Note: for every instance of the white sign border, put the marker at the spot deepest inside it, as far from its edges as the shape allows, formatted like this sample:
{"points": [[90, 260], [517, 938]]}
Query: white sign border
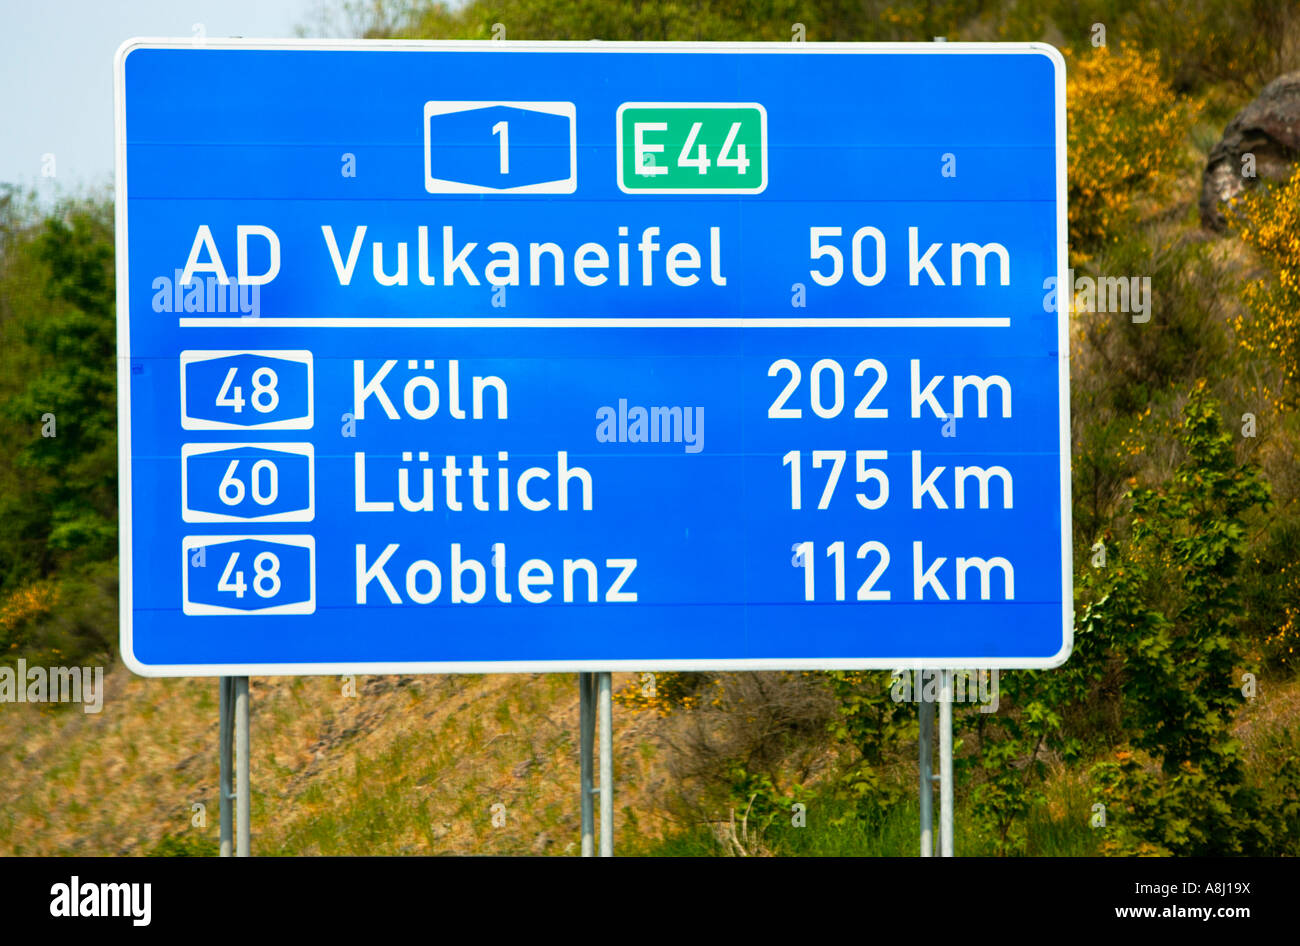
{"points": [[508, 47]]}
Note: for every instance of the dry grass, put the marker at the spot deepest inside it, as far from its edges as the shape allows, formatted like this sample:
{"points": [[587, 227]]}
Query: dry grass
{"points": [[412, 765]]}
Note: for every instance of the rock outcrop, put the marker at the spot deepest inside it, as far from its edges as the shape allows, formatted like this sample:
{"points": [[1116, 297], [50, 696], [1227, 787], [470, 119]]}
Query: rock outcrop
{"points": [[1269, 129]]}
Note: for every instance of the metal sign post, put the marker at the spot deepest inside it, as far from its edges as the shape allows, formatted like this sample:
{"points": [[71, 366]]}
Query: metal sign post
{"points": [[925, 733], [586, 749], [945, 764], [604, 683], [595, 697], [225, 796], [233, 737], [242, 795]]}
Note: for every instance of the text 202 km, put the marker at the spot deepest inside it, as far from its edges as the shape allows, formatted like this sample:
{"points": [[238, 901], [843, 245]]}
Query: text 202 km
{"points": [[826, 391]]}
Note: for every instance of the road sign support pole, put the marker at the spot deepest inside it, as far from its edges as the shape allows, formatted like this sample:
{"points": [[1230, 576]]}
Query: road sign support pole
{"points": [[224, 746], [925, 752], [241, 765], [605, 684], [945, 764], [587, 740]]}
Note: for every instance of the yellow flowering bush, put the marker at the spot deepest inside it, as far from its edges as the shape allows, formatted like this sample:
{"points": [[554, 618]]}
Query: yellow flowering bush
{"points": [[1126, 134], [20, 608], [661, 692], [1268, 221], [26, 603], [1281, 644]]}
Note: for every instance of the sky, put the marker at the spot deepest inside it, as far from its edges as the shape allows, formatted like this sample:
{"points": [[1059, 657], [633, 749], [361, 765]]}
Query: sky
{"points": [[56, 75]]}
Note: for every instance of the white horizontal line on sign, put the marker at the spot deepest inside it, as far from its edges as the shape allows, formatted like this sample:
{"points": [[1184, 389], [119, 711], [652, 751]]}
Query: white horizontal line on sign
{"points": [[386, 322]]}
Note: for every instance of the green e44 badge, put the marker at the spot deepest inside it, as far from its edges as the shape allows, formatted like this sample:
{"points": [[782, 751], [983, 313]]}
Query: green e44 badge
{"points": [[692, 147]]}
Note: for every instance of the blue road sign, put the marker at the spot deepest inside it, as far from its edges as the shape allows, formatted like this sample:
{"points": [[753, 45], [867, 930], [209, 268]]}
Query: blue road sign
{"points": [[591, 356]]}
